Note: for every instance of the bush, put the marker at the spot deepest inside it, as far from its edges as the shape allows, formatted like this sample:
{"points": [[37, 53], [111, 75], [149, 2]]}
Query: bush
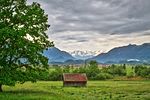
{"points": [[55, 75], [103, 76], [116, 70], [130, 74], [143, 71]]}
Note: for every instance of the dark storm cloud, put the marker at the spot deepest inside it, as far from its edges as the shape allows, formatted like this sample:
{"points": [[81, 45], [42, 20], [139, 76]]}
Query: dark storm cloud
{"points": [[103, 16], [94, 18], [74, 37]]}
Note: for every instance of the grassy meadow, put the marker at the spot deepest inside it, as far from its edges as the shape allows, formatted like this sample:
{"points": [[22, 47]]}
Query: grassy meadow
{"points": [[95, 90]]}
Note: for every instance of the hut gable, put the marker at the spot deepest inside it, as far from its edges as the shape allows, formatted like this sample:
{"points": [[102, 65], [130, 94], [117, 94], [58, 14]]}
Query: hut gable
{"points": [[74, 79]]}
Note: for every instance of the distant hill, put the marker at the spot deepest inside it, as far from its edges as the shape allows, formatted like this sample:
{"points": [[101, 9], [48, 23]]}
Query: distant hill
{"points": [[57, 56], [126, 54], [74, 62]]}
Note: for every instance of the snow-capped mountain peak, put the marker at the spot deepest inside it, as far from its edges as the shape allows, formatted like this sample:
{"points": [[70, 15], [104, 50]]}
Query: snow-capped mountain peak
{"points": [[84, 54]]}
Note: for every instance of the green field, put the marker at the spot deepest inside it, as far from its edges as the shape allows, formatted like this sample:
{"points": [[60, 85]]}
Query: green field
{"points": [[95, 90]]}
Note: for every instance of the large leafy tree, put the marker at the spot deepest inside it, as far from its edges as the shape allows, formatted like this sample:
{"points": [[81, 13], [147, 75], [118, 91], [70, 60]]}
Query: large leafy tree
{"points": [[22, 41]]}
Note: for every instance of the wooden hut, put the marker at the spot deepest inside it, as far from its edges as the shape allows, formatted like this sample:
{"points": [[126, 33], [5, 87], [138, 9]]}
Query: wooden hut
{"points": [[74, 79]]}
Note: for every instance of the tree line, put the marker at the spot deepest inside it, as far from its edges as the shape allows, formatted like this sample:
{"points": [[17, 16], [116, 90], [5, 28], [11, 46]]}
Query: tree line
{"points": [[95, 72]]}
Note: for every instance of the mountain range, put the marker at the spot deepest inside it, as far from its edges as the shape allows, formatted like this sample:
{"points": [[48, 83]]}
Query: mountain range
{"points": [[84, 54], [129, 53], [55, 55], [126, 54]]}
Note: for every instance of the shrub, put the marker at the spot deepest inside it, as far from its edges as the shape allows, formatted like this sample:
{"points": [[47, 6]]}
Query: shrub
{"points": [[116, 70], [55, 75], [142, 71], [130, 74], [103, 76]]}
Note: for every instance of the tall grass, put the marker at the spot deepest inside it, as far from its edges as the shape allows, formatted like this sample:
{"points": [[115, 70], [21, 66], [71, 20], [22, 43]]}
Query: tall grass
{"points": [[95, 90]]}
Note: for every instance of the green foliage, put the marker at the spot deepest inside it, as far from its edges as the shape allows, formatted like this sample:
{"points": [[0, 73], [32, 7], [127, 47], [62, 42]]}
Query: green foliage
{"points": [[103, 76], [55, 75], [95, 72], [130, 74], [143, 71], [66, 69], [92, 69], [116, 70], [22, 41], [130, 71], [81, 70], [93, 64]]}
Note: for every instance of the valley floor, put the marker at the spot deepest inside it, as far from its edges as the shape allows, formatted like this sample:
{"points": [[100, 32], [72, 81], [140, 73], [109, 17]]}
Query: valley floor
{"points": [[95, 90]]}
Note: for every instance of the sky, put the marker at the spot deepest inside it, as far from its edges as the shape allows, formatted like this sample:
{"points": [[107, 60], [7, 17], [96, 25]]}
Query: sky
{"points": [[97, 25]]}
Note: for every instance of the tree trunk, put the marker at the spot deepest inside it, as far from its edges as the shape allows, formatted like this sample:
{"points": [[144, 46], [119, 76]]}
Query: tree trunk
{"points": [[1, 88]]}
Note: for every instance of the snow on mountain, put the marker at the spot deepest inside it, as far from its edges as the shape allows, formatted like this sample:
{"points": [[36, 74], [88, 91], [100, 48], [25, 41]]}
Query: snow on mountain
{"points": [[133, 60], [84, 54]]}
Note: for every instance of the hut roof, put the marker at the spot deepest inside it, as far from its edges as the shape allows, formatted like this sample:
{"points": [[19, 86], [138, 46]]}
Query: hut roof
{"points": [[74, 77]]}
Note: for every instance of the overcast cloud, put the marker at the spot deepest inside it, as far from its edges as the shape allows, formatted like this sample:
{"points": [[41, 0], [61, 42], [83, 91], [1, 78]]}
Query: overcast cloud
{"points": [[97, 24]]}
